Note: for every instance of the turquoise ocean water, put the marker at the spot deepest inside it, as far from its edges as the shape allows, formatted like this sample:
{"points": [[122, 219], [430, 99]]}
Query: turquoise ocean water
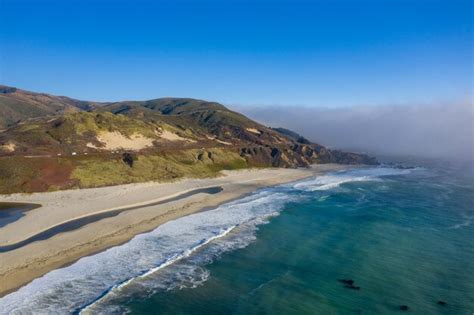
{"points": [[404, 236]]}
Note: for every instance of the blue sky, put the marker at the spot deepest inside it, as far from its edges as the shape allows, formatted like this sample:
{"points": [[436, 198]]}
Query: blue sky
{"points": [[314, 53]]}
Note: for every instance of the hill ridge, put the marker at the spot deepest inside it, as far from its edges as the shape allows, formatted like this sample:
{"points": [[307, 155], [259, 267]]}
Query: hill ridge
{"points": [[172, 137]]}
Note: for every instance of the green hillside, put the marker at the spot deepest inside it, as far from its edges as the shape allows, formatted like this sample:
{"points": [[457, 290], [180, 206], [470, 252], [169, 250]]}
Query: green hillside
{"points": [[59, 143]]}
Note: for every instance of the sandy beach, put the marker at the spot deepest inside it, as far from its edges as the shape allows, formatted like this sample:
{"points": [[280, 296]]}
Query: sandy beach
{"points": [[153, 204]]}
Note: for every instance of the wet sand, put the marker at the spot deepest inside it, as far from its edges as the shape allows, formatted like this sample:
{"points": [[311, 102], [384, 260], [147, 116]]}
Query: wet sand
{"points": [[136, 208], [77, 223]]}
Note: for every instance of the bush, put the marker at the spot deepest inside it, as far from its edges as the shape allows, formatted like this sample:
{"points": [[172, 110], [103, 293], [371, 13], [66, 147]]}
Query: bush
{"points": [[128, 158]]}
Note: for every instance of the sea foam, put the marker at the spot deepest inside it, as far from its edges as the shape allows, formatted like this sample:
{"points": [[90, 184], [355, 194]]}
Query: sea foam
{"points": [[92, 279], [333, 180], [173, 256]]}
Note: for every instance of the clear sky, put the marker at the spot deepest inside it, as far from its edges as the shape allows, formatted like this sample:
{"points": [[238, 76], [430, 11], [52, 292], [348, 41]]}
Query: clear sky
{"points": [[314, 53]]}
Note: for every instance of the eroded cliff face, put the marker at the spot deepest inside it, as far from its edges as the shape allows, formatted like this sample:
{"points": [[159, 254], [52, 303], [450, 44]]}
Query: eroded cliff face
{"points": [[301, 155]]}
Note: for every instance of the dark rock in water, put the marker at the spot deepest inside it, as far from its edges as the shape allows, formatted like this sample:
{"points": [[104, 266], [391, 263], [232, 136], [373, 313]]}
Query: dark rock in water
{"points": [[404, 307], [346, 281], [442, 303], [400, 166], [350, 286], [404, 167]]}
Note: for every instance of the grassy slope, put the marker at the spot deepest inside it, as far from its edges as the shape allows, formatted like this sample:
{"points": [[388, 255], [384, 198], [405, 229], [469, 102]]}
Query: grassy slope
{"points": [[19, 174], [65, 126], [158, 167], [18, 105]]}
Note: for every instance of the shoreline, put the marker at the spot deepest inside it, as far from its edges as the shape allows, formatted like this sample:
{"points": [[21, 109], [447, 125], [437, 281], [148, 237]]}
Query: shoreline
{"points": [[22, 265], [78, 222]]}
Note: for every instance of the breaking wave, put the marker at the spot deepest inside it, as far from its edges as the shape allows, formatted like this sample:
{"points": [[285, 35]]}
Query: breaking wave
{"points": [[333, 180], [173, 256], [92, 280]]}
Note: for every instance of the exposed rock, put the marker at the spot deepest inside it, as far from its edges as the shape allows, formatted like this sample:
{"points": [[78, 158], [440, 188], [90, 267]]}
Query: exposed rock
{"points": [[275, 152], [303, 140], [349, 284], [346, 281], [8, 147], [200, 156]]}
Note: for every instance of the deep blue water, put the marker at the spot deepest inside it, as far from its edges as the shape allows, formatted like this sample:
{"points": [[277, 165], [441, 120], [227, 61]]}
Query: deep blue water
{"points": [[405, 237]]}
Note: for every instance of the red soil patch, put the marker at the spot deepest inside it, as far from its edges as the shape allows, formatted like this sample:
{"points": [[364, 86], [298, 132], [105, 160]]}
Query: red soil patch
{"points": [[52, 172]]}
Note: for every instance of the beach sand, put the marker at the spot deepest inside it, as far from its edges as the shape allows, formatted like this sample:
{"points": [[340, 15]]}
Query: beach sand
{"points": [[22, 265]]}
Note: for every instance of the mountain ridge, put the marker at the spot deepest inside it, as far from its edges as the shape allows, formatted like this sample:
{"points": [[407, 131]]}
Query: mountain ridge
{"points": [[196, 137]]}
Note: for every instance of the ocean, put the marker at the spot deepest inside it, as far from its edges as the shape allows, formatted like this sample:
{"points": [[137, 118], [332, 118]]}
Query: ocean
{"points": [[374, 240]]}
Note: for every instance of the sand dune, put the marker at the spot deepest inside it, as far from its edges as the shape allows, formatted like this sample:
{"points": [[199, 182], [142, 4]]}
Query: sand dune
{"points": [[115, 140]]}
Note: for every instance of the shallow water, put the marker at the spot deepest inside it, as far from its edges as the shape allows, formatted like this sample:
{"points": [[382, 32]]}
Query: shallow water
{"points": [[11, 211], [404, 237], [15, 213]]}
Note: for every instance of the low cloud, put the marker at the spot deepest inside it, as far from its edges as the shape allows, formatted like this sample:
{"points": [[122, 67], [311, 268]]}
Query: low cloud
{"points": [[445, 131]]}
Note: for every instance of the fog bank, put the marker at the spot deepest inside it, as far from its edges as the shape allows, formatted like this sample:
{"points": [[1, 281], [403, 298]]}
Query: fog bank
{"points": [[444, 131]]}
